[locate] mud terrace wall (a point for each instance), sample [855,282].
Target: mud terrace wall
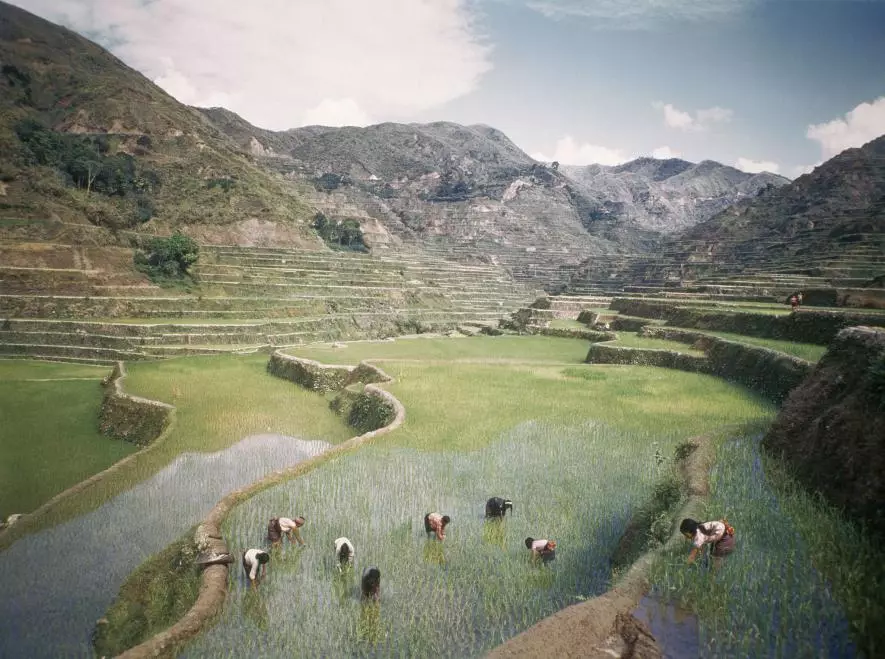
[574,333]
[773,374]
[832,426]
[804,326]
[131,418]
[208,537]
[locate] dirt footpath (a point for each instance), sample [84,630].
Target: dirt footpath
[604,627]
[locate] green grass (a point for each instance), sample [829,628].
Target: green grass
[635,340]
[156,595]
[800,579]
[567,323]
[41,453]
[485,348]
[806,351]
[219,399]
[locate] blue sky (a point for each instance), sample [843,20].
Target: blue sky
[765,84]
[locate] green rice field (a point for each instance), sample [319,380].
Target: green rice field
[31,440]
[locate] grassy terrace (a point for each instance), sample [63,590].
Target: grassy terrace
[634,340]
[806,351]
[219,400]
[31,440]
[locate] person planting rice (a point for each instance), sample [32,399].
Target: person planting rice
[719,535]
[543,549]
[274,531]
[255,564]
[344,552]
[370,585]
[498,507]
[436,523]
[289,528]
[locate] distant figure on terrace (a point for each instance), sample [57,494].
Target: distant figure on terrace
[370,585]
[289,528]
[344,552]
[498,507]
[799,298]
[255,565]
[541,549]
[719,535]
[794,302]
[436,523]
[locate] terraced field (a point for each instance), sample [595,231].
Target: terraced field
[71,303]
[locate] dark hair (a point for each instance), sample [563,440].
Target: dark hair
[688,526]
[263,557]
[528,542]
[446,519]
[344,552]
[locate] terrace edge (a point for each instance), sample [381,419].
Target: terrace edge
[114,382]
[213,587]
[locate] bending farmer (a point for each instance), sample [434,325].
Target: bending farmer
[255,564]
[436,523]
[719,535]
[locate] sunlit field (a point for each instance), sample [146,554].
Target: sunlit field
[49,438]
[574,446]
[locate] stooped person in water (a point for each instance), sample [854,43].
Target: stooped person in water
[719,535]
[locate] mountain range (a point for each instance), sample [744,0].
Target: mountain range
[86,141]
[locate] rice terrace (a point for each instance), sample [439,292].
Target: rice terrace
[358,389]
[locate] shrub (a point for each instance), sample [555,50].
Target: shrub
[225,184]
[329,182]
[168,258]
[343,234]
[877,380]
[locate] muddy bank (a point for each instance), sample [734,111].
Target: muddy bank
[66,577]
[603,627]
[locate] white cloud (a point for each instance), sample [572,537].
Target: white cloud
[640,14]
[703,119]
[336,112]
[664,153]
[862,124]
[569,152]
[277,62]
[756,166]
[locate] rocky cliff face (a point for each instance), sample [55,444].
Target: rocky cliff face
[667,195]
[832,426]
[468,192]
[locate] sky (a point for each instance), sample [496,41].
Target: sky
[763,85]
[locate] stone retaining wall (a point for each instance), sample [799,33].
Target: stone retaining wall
[574,333]
[805,326]
[208,537]
[131,418]
[773,374]
[601,353]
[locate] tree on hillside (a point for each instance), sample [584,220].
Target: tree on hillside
[168,258]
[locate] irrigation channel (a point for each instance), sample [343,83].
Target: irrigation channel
[58,582]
